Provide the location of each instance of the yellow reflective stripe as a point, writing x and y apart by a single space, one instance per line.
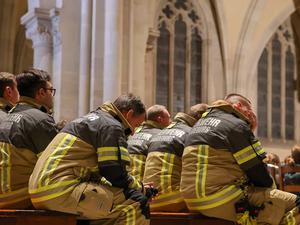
59 152
248 153
166 199
170 172
53 186
135 183
204 168
138 164
54 195
198 173
204 114
202 160
14 193
15 199
162 177
5 168
289 218
111 154
214 200
240 152
166 172
130 212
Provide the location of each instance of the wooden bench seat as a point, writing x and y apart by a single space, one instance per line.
35 217
185 218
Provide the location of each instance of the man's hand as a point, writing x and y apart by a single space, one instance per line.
150 190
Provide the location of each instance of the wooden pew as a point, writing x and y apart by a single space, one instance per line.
186 218
289 187
35 217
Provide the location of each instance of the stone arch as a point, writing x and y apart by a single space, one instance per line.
15 51
212 69
248 66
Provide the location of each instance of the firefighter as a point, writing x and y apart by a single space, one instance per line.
163 163
83 170
24 134
158 118
9 94
223 173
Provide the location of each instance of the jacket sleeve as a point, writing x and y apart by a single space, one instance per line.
248 153
113 158
43 133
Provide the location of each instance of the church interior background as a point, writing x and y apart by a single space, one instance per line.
171 52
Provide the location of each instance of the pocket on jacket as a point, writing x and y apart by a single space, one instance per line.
94 201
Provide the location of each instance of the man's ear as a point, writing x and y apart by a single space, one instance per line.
159 119
129 114
7 91
39 94
237 105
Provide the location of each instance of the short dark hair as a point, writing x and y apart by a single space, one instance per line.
154 111
296 153
6 79
30 81
129 101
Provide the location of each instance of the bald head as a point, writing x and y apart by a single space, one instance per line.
159 114
243 105
235 98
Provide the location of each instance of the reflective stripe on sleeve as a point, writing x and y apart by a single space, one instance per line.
247 154
111 154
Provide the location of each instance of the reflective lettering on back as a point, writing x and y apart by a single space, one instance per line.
15 117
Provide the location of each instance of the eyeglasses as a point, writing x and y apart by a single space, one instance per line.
52 90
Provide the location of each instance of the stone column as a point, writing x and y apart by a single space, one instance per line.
111 70
40 29
85 57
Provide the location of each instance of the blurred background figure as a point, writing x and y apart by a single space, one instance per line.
9 94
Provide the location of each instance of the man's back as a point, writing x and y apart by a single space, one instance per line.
163 163
23 135
28 127
138 145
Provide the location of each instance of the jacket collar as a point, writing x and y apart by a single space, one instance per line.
32 102
112 110
227 107
152 124
5 105
183 117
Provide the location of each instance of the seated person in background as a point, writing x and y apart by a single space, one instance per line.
163 163
157 118
9 94
273 163
24 134
293 160
272 159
